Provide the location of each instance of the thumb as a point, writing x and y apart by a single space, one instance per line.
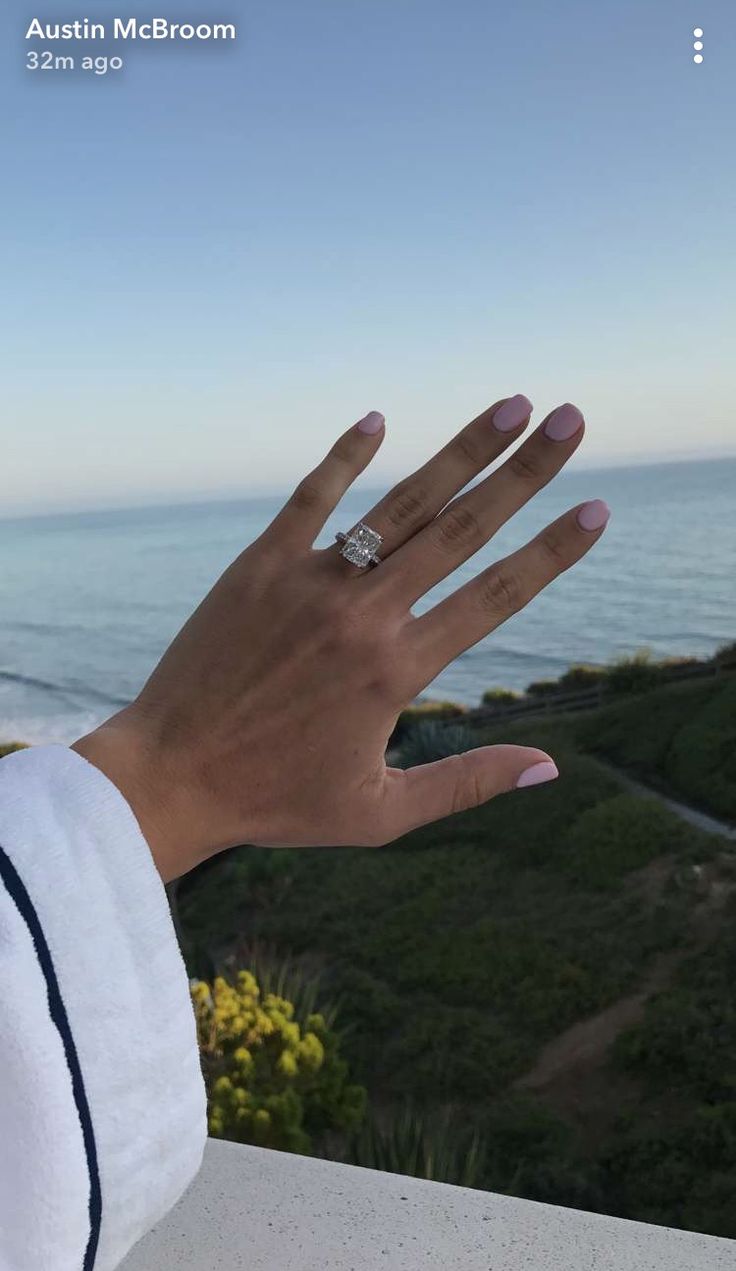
434 790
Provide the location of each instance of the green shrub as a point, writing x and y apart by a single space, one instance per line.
619 835
726 656
271 1079
531 1151
421 1145
432 740
676 1171
10 747
701 759
583 676
543 688
688 1035
423 712
633 675
681 736
499 697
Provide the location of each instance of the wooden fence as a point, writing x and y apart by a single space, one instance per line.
582 699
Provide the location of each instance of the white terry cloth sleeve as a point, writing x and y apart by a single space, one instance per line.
102 1103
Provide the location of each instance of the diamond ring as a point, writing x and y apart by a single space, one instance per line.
360 546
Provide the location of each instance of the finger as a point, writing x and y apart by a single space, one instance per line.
303 516
414 502
434 790
471 520
488 600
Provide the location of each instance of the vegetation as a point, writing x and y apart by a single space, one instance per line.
423 1146
634 674
429 740
681 737
460 952
424 713
543 688
674 1151
458 955
272 1079
499 697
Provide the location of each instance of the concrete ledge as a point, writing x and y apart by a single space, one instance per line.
252 1210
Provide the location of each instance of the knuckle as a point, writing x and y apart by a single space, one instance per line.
467 792
466 449
457 528
308 497
525 466
343 452
407 506
553 548
502 592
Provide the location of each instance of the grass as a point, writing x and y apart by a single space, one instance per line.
458 952
681 736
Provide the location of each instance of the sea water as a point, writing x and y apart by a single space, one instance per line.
89 601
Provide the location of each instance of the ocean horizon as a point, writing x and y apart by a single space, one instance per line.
90 599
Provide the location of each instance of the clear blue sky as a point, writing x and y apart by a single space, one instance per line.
219 258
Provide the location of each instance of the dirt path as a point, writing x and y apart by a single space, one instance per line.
586 1043
701 820
567 1062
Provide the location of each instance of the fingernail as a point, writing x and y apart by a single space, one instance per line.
537 774
564 422
372 423
512 413
593 515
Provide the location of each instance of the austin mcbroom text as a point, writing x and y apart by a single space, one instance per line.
130 29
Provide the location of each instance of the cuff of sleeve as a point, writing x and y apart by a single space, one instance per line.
82 859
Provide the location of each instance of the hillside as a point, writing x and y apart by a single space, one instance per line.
554 969
543 985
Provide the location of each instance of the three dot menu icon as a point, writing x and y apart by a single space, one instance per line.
698 45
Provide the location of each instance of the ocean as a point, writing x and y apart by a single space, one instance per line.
90 600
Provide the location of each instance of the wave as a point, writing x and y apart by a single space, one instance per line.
67 691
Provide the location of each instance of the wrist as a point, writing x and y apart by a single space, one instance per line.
123 751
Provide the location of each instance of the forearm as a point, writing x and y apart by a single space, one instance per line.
102 1106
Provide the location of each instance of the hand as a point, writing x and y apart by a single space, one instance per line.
267 719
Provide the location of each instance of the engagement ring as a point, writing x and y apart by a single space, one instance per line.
360 546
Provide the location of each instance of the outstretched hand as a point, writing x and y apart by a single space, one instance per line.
268 717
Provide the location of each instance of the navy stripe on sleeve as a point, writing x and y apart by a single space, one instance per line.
57 1010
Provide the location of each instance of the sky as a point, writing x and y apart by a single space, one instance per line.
218 258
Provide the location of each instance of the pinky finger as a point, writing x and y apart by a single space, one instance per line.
506 587
318 494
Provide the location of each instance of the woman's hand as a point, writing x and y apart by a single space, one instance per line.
267 719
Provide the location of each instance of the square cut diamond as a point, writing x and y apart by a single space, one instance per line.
360 545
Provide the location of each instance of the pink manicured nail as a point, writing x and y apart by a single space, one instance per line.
537 774
593 515
513 412
372 423
564 422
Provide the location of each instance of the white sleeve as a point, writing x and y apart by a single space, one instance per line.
102 1104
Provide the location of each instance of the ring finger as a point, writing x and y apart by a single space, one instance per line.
482 604
417 500
470 521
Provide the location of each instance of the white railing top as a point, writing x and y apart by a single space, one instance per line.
253 1210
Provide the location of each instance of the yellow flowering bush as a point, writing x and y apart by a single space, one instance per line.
271 1079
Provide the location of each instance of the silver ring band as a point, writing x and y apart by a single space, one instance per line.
360 546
